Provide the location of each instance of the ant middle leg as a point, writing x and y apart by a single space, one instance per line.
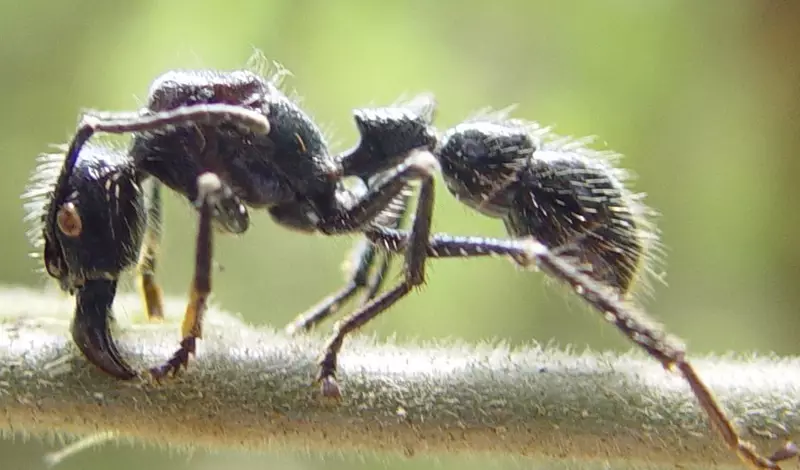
398 210
363 275
210 191
364 258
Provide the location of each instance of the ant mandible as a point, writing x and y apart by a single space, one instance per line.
229 141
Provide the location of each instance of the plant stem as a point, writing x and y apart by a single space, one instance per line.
250 389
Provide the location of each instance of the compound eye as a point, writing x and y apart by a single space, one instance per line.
69 221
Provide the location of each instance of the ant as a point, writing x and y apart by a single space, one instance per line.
233 141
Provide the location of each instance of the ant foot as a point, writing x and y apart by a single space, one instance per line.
178 360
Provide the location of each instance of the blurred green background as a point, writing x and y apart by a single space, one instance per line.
701 97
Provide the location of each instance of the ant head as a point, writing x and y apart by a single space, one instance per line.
480 159
179 88
87 215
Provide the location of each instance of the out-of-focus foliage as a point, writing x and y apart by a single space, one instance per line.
701 97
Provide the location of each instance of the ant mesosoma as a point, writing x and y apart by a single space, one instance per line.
233 141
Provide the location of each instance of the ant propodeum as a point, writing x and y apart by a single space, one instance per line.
233 141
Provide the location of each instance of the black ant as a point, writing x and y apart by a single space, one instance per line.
233 141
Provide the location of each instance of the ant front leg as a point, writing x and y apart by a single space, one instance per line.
362 276
420 165
633 323
210 190
146 266
125 122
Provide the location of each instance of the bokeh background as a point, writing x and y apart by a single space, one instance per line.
701 97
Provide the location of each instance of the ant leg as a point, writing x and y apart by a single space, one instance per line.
206 113
210 190
637 327
442 245
378 278
363 259
632 323
418 165
364 256
230 215
400 212
414 275
234 221
146 266
123 122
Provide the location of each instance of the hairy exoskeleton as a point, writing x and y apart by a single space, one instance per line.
567 211
231 142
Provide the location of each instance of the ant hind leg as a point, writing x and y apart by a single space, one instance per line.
416 254
631 321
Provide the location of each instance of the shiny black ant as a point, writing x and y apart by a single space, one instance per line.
233 141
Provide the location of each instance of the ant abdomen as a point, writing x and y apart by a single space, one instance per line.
479 161
558 191
576 207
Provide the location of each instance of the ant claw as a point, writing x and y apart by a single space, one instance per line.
330 388
178 360
788 451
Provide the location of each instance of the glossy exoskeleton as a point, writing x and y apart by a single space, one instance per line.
233 141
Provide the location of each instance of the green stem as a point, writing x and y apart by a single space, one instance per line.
250 389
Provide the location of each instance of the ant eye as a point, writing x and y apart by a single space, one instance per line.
69 221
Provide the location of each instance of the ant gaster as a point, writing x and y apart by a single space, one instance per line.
229 141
